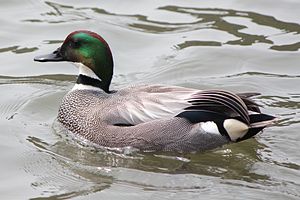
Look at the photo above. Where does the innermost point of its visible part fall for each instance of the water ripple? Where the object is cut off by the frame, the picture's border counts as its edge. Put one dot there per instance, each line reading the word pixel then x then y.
pixel 202 46
pixel 245 27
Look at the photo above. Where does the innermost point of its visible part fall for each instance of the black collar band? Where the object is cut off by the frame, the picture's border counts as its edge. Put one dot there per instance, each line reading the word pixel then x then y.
pixel 86 80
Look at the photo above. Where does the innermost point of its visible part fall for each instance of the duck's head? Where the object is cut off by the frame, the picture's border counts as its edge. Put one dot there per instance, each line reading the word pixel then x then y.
pixel 90 52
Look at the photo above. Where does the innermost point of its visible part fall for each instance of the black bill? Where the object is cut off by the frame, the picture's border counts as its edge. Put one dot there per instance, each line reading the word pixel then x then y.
pixel 53 57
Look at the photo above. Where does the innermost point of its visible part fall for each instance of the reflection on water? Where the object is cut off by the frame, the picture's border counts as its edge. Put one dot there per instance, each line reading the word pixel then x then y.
pixel 98 170
pixel 96 166
pixel 193 45
pixel 233 22
pixel 60 14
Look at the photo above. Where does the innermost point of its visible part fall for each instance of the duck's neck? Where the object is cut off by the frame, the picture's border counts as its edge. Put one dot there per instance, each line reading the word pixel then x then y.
pixel 87 79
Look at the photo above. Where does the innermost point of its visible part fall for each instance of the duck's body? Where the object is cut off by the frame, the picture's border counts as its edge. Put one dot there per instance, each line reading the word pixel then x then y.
pixel 120 119
pixel 148 117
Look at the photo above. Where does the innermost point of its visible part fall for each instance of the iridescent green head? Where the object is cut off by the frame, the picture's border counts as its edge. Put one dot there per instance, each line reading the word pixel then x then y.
pixel 88 48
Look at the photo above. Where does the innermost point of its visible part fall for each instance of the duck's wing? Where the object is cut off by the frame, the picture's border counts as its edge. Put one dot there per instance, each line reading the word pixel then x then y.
pixel 142 104
pixel 139 104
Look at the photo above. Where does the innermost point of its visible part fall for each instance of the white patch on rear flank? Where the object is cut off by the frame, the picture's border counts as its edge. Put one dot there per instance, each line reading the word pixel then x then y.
pixel 235 128
pixel 210 127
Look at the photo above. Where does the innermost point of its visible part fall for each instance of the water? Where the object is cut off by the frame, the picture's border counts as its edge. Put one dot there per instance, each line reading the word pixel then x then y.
pixel 250 46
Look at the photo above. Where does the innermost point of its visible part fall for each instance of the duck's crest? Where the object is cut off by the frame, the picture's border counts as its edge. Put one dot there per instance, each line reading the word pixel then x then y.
pixel 93 34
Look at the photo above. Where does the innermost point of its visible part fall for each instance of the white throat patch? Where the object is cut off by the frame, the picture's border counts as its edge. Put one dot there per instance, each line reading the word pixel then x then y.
pixel 84 70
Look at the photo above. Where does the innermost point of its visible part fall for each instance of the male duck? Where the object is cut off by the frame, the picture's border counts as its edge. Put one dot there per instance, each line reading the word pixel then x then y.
pixel 148 117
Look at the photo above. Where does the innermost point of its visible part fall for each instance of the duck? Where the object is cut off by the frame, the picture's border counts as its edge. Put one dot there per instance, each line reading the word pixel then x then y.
pixel 148 117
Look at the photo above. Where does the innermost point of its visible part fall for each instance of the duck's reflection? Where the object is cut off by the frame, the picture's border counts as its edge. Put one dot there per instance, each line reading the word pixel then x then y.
pixel 82 170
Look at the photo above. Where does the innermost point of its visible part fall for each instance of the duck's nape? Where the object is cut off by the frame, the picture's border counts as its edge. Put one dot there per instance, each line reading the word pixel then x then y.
pixel 88 49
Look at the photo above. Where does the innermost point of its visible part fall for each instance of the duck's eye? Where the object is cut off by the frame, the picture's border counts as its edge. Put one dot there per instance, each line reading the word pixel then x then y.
pixel 75 44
